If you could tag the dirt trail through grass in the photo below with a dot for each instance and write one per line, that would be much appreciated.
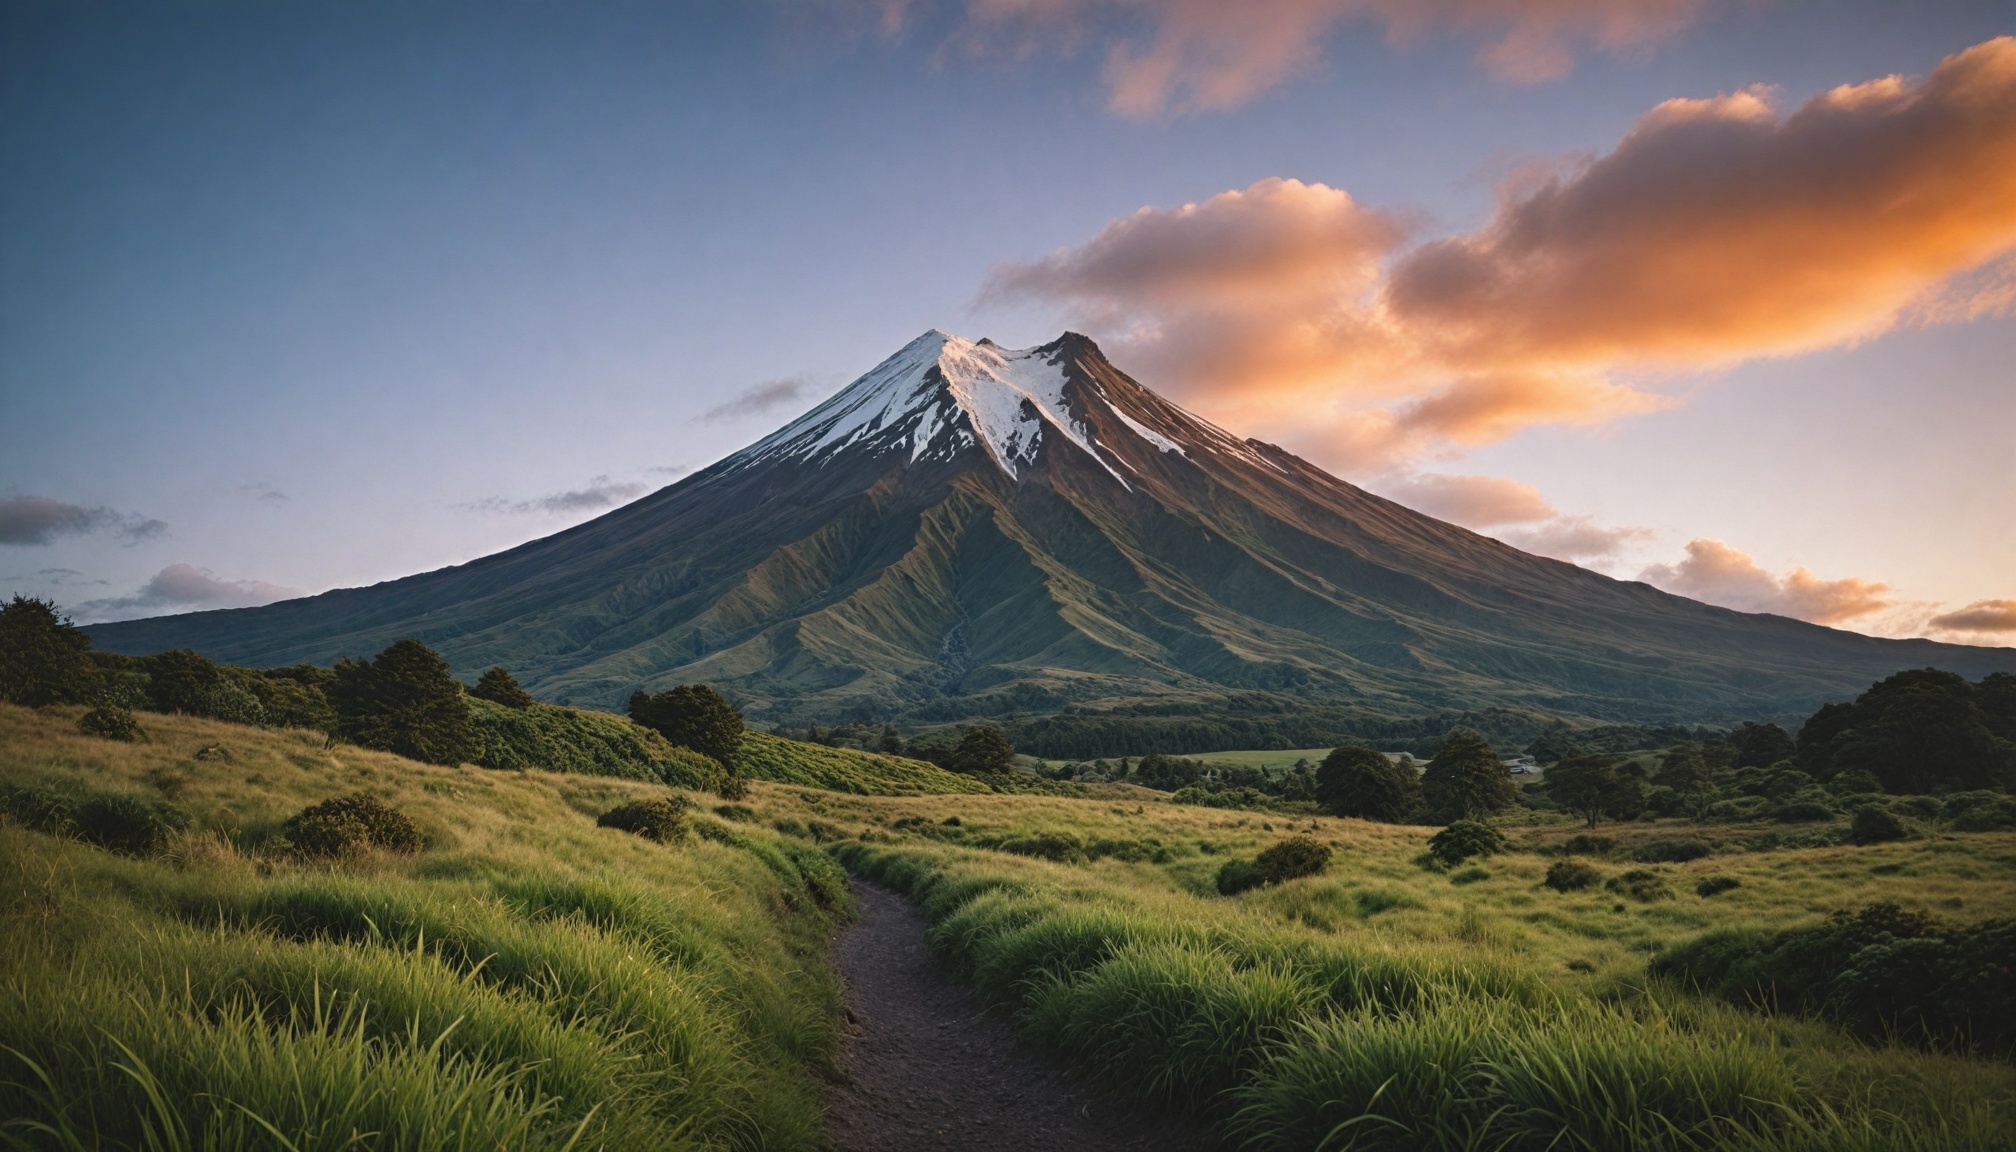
(928, 1069)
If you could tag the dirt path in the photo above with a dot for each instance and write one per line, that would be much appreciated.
(927, 1069)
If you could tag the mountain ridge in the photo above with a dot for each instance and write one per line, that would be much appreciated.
(966, 529)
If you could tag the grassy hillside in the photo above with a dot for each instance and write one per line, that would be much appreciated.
(528, 980)
(1447, 1004)
(766, 757)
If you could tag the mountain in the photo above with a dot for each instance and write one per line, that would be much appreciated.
(968, 530)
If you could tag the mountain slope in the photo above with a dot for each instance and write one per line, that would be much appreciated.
(968, 528)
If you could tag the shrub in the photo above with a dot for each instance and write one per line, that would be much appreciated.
(109, 724)
(1716, 885)
(981, 751)
(127, 824)
(346, 825)
(1290, 859)
(1062, 847)
(44, 659)
(1583, 844)
(731, 787)
(1979, 811)
(1463, 839)
(1881, 970)
(736, 812)
(1670, 851)
(1570, 876)
(1363, 783)
(694, 716)
(404, 702)
(662, 818)
(1639, 885)
(500, 687)
(1875, 824)
(1803, 812)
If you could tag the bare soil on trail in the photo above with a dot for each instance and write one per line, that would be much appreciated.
(926, 1068)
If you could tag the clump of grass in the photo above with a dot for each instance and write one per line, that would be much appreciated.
(1571, 876)
(346, 825)
(1641, 885)
(661, 818)
(1716, 885)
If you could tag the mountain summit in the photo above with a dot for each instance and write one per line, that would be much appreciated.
(969, 529)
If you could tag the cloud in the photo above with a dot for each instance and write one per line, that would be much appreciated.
(1716, 231)
(1576, 539)
(1980, 616)
(187, 587)
(1472, 501)
(669, 469)
(264, 493)
(1190, 56)
(40, 520)
(600, 492)
(1719, 574)
(765, 397)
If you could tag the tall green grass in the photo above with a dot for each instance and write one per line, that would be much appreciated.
(1287, 1038)
(527, 981)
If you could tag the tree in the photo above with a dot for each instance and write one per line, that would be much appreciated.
(44, 659)
(1592, 787)
(892, 740)
(1362, 782)
(983, 750)
(1684, 770)
(692, 715)
(404, 702)
(1921, 730)
(1466, 780)
(1760, 745)
(500, 687)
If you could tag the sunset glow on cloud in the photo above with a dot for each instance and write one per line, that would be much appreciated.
(1715, 232)
(1719, 574)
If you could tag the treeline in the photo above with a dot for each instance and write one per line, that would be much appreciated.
(404, 701)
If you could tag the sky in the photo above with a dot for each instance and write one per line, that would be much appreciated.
(1718, 294)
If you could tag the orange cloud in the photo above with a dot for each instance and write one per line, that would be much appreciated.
(1716, 231)
(1190, 56)
(1719, 574)
(1577, 539)
(1980, 616)
(1472, 501)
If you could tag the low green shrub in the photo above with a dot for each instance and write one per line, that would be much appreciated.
(1290, 859)
(1882, 970)
(1571, 876)
(1062, 847)
(1640, 885)
(1463, 839)
(1716, 885)
(349, 824)
(1875, 824)
(119, 822)
(737, 812)
(110, 724)
(1671, 851)
(1979, 811)
(661, 818)
(1583, 844)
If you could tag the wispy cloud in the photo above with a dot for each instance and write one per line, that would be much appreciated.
(264, 493)
(1716, 231)
(768, 396)
(183, 587)
(31, 520)
(1182, 57)
(600, 492)
(1513, 512)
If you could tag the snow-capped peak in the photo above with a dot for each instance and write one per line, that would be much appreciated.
(1009, 399)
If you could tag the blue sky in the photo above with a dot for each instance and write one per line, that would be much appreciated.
(308, 295)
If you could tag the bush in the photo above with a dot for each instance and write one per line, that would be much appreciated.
(1583, 844)
(1875, 824)
(1882, 970)
(1803, 812)
(731, 787)
(1671, 851)
(1363, 783)
(1979, 811)
(44, 659)
(404, 702)
(1571, 876)
(346, 825)
(1716, 885)
(1640, 885)
(693, 716)
(500, 687)
(1290, 859)
(110, 724)
(127, 824)
(661, 818)
(1464, 839)
(1062, 847)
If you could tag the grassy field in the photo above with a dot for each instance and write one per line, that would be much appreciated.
(528, 980)
(1462, 1009)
